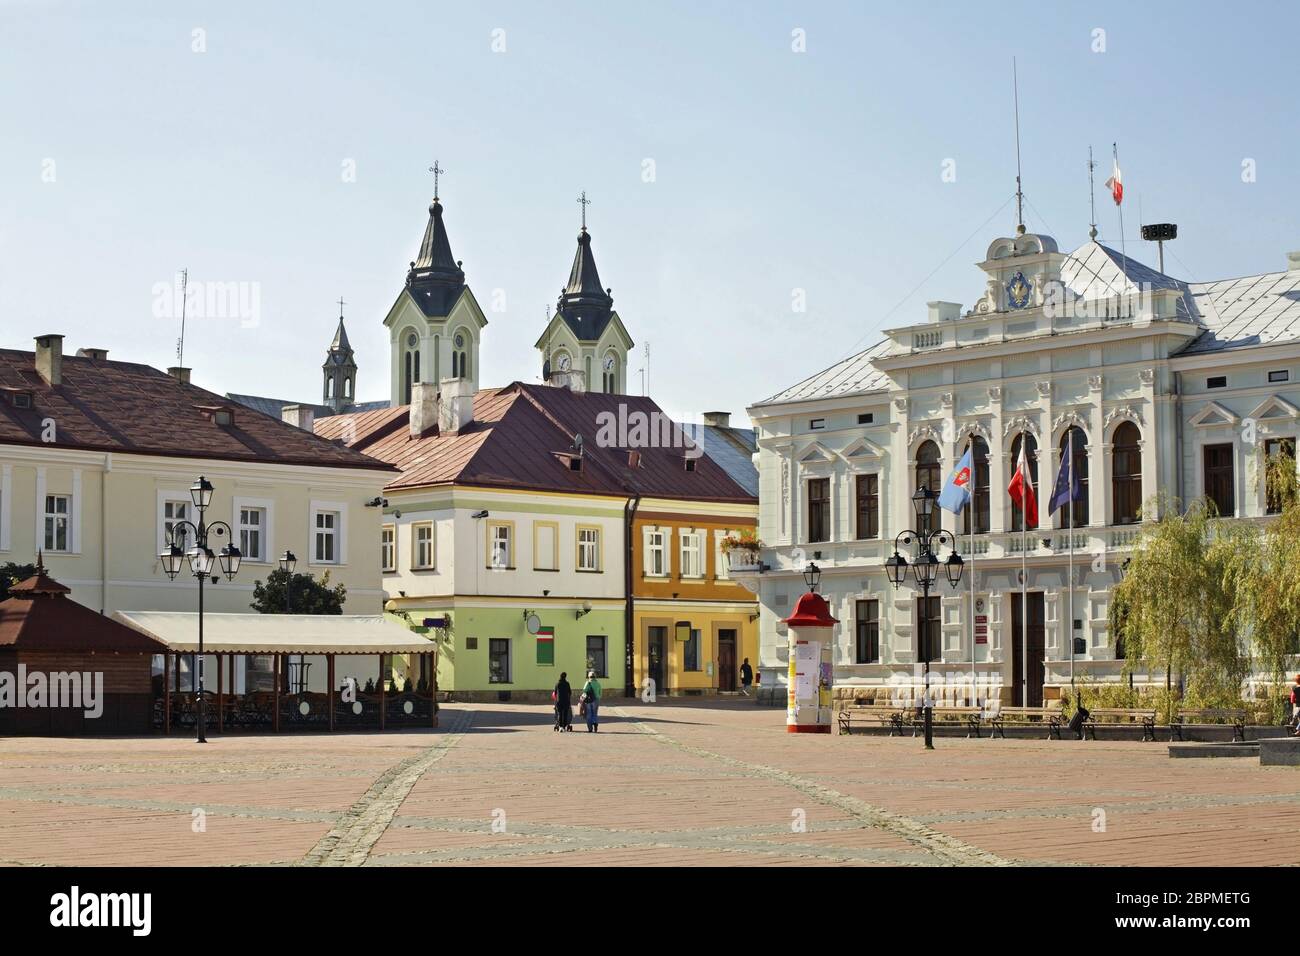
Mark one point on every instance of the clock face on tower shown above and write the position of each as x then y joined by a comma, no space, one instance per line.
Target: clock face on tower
1018,290
562,363
460,340
609,363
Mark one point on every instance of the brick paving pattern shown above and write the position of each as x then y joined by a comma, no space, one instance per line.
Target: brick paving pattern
672,783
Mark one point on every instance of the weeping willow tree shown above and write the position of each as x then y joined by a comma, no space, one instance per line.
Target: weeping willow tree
1176,609
1264,576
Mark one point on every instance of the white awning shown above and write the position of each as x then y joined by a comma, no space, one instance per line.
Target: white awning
278,633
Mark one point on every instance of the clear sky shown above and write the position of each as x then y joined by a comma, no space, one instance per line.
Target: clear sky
127,155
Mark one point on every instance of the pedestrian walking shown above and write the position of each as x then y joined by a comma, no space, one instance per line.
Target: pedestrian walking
746,677
591,702
1295,707
563,697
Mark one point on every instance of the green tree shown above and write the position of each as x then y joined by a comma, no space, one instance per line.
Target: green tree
306,594
11,574
1177,610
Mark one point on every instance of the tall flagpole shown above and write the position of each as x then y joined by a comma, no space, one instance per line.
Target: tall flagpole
1024,578
970,550
1069,504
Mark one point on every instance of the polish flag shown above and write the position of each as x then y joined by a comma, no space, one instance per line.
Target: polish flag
1021,489
1116,184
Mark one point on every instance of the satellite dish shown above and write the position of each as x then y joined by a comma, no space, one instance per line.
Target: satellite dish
533,623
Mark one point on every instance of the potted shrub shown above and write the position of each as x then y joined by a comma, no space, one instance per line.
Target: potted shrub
742,549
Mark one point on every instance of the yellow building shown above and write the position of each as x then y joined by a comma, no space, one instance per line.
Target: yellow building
694,625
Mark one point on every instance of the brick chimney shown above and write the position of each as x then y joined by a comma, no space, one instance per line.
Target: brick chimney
1293,262
180,373
299,416
49,358
455,405
424,408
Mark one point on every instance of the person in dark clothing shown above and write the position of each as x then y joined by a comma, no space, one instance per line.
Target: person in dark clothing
1295,707
563,697
746,677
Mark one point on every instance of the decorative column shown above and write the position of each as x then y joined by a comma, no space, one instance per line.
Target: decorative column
811,636
999,476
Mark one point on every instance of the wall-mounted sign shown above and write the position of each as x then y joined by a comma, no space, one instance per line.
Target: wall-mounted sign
683,629
435,622
981,628
546,646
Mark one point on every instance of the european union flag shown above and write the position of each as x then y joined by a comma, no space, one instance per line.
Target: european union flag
1068,487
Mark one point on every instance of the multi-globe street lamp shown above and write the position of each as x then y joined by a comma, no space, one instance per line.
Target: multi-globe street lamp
201,560
925,568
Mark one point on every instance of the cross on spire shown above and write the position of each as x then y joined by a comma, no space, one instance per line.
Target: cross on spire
341,307
437,171
584,202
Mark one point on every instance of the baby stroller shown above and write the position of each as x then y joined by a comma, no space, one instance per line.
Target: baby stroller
563,717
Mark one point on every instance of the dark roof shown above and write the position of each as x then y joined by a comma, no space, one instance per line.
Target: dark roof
733,449
340,350
275,406
435,279
125,407
39,616
584,305
520,437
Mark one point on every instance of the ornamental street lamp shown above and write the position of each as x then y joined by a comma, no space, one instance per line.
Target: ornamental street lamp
812,576
288,561
925,568
201,560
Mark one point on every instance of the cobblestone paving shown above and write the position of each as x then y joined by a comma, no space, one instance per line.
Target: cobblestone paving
672,783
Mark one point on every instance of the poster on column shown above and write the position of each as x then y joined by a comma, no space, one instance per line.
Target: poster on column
808,666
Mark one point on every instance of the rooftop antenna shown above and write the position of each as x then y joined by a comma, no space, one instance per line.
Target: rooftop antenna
645,372
1020,196
437,171
585,202
1092,197
180,342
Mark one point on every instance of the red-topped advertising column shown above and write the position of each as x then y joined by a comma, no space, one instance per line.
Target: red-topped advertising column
811,636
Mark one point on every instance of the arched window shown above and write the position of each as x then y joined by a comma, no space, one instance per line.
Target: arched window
410,366
1031,455
927,470
1126,481
1081,473
979,504
459,356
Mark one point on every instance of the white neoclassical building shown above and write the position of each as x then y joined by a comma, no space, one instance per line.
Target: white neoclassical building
1173,386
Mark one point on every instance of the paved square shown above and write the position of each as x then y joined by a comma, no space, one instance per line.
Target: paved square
670,783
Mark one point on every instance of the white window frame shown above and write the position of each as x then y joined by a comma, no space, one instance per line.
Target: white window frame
492,532
49,532
388,548
691,542
242,529
589,548
267,507
340,509
722,564
6,496
651,548
74,510
432,561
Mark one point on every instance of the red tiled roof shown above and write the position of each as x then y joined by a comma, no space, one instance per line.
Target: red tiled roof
39,616
517,440
127,407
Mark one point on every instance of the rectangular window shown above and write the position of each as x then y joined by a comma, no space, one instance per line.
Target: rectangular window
691,651
817,423
929,643
58,509
1218,479
691,564
655,555
500,547
1217,381
588,549
596,654
867,622
721,561
388,548
545,550
252,531
868,498
819,509
499,660
422,545
1279,375
866,418
1275,448
327,537
174,512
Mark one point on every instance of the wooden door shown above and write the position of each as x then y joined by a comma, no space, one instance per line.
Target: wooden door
1037,640
727,660
657,664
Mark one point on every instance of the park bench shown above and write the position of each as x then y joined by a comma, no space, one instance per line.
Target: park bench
1189,717
893,715
998,716
1121,716
949,716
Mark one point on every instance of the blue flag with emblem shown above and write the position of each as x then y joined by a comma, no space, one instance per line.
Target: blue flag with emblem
956,493
1068,487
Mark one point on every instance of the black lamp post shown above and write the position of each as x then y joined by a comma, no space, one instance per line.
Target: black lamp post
925,568
288,561
812,576
201,560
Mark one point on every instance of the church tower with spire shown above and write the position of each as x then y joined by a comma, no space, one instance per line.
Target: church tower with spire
340,370
585,345
435,324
